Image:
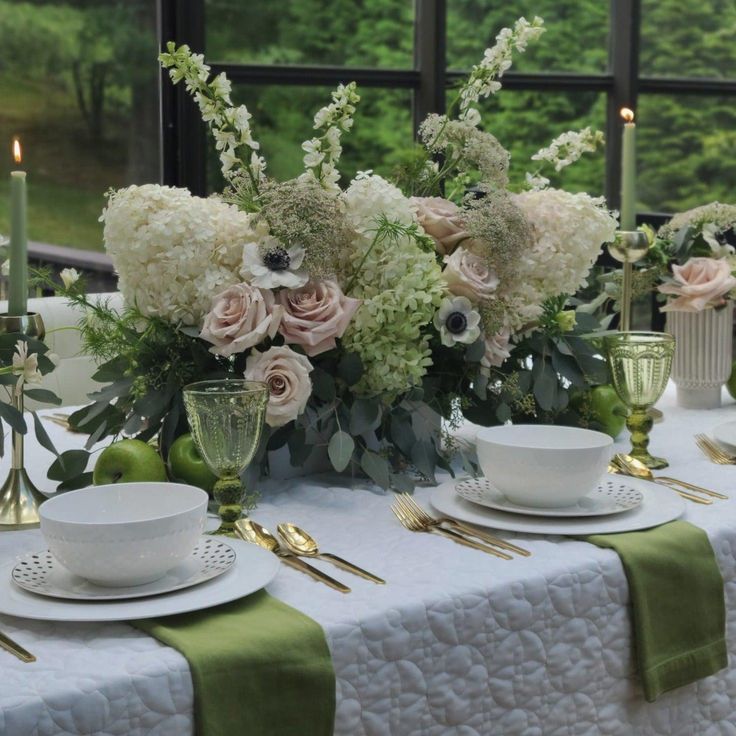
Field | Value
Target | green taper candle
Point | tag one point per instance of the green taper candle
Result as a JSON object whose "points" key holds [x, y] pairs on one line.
{"points": [[18, 280], [628, 171]]}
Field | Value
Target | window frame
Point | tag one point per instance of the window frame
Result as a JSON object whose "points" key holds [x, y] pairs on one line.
{"points": [[183, 153]]}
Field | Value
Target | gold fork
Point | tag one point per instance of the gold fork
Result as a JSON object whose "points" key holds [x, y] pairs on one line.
{"points": [[413, 524], [713, 451], [459, 526]]}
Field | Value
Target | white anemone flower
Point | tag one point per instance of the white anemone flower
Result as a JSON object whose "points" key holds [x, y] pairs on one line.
{"points": [[271, 264], [457, 321]]}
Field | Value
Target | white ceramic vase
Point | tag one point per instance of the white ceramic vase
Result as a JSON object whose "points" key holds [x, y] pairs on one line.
{"points": [[702, 361]]}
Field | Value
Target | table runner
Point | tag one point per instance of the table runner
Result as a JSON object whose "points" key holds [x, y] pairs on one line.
{"points": [[259, 667], [677, 604]]}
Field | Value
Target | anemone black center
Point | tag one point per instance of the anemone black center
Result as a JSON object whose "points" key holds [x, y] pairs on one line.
{"points": [[277, 259], [456, 323]]}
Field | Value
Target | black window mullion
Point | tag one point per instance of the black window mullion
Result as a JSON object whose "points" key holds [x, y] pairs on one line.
{"points": [[624, 65], [182, 130], [430, 36]]}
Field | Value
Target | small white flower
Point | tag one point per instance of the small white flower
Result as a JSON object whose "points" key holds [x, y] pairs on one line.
{"points": [[457, 321], [720, 250], [270, 265], [69, 277], [24, 365]]}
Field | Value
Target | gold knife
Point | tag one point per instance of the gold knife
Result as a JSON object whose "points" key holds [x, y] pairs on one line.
{"points": [[16, 649]]}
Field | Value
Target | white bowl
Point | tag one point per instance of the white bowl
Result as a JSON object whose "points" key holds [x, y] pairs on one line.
{"points": [[543, 465], [124, 533]]}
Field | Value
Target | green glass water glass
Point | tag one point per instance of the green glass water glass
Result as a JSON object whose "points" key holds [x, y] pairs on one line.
{"points": [[226, 419], [640, 364]]}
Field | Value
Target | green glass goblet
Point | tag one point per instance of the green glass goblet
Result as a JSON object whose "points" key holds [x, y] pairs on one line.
{"points": [[640, 364], [226, 418]]}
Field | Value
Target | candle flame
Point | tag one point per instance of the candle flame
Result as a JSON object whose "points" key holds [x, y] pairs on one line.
{"points": [[627, 114], [17, 155]]}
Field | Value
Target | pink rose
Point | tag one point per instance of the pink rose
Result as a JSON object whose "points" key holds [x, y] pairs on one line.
{"points": [[315, 314], [241, 317], [699, 284], [286, 374], [496, 349], [442, 220], [466, 274]]}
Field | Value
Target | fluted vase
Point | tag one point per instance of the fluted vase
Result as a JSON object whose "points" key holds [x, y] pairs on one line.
{"points": [[702, 362]]}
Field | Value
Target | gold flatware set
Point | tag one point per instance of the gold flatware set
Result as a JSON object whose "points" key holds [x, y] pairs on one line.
{"points": [[296, 543], [713, 451], [414, 518], [15, 649]]}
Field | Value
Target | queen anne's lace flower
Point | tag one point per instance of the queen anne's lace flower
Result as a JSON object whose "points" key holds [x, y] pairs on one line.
{"points": [[173, 251], [567, 148]]}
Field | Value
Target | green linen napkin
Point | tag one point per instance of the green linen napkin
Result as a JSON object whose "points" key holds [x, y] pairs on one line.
{"points": [[677, 601], [258, 667]]}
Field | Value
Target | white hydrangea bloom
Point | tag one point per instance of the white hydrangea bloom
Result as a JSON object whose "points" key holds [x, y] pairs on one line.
{"points": [[570, 230], [173, 251], [401, 286]]}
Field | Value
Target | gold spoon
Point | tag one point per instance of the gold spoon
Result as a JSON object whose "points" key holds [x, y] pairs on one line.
{"points": [[303, 544], [631, 466], [253, 532]]}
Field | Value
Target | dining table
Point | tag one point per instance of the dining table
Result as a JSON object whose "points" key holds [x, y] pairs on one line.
{"points": [[456, 643]]}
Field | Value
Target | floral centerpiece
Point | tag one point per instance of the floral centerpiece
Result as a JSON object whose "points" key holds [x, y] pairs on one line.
{"points": [[368, 309]]}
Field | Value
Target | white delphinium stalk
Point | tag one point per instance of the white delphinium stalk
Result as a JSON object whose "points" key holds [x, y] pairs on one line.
{"points": [[230, 125], [323, 152], [483, 79], [567, 148]]}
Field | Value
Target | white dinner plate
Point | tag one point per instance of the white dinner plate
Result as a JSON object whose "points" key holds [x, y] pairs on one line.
{"points": [[658, 506], [254, 568], [41, 573], [726, 434], [612, 495]]}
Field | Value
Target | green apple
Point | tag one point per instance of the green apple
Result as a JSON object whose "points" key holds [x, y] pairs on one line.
{"points": [[187, 466], [129, 461], [731, 383], [607, 409]]}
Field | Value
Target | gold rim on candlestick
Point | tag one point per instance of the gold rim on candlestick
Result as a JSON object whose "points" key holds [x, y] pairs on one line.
{"points": [[628, 247], [19, 497]]}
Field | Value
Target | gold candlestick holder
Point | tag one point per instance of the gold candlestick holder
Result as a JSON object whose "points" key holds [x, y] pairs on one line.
{"points": [[19, 497], [628, 247]]}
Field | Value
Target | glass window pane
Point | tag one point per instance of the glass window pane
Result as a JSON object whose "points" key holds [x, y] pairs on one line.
{"points": [[524, 122], [686, 151], [79, 86], [283, 119], [332, 32], [688, 39], [576, 39]]}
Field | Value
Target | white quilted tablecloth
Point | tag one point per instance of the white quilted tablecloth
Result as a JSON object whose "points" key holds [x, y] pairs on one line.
{"points": [[456, 644]]}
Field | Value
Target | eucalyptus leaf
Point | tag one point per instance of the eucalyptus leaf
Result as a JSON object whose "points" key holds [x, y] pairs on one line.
{"points": [[474, 352], [402, 482], [376, 468], [68, 465], [81, 481], [111, 371], [365, 415], [43, 395], [113, 391], [424, 457], [567, 367], [545, 385], [323, 385], [402, 433], [340, 450], [13, 417], [299, 450], [503, 413], [96, 436], [350, 368], [42, 435]]}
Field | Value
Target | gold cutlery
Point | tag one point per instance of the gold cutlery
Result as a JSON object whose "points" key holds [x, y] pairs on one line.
{"points": [[16, 649], [713, 451], [302, 544], [253, 532], [633, 467], [412, 522], [491, 539]]}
